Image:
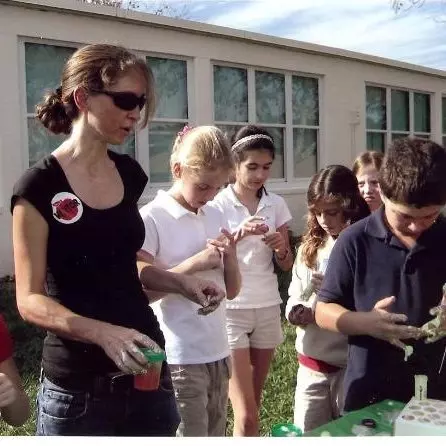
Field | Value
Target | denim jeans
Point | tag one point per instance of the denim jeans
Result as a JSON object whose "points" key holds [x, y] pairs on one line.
{"points": [[63, 411]]}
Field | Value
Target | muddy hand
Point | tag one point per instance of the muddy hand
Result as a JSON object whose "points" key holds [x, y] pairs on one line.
{"points": [[435, 329], [212, 304], [122, 346]]}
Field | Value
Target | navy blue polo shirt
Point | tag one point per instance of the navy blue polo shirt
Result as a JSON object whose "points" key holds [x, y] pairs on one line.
{"points": [[367, 264]]}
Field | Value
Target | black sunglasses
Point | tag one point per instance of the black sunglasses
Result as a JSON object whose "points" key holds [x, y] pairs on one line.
{"points": [[125, 100]]}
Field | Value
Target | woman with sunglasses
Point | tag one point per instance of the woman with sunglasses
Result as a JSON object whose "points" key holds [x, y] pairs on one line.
{"points": [[76, 233]]}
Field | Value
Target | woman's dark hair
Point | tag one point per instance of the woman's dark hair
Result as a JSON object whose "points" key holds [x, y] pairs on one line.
{"points": [[93, 68], [251, 137], [413, 173], [336, 184]]}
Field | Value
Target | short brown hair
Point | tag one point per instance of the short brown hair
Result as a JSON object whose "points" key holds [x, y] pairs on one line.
{"points": [[367, 159], [414, 173], [92, 67]]}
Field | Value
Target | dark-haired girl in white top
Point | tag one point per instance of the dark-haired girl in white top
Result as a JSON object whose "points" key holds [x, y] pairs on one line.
{"points": [[260, 219]]}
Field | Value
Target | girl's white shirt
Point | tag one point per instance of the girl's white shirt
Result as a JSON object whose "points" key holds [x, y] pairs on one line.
{"points": [[174, 234], [259, 282], [312, 340]]}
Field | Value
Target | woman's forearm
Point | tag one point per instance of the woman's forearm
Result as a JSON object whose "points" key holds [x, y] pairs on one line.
{"points": [[46, 313]]}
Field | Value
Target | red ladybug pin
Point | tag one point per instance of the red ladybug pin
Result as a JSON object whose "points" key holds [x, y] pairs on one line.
{"points": [[67, 208]]}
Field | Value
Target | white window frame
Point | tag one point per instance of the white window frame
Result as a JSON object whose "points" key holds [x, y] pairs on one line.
{"points": [[389, 132], [142, 136], [25, 115], [288, 126]]}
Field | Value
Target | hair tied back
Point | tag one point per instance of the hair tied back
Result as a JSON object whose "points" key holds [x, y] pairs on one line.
{"points": [[186, 129]]}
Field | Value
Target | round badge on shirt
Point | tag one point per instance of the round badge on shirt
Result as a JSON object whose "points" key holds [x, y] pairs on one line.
{"points": [[67, 208]]}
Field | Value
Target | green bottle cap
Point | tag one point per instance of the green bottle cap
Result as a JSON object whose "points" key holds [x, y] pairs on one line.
{"points": [[285, 430], [153, 356]]}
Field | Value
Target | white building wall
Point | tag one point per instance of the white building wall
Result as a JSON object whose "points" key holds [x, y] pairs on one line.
{"points": [[342, 87]]}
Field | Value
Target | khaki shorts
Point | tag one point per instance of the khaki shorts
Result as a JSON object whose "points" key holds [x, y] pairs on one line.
{"points": [[201, 391], [318, 398], [254, 327]]}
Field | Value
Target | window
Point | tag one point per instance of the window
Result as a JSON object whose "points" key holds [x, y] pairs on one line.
{"points": [[393, 113], [284, 104], [43, 69], [171, 113]]}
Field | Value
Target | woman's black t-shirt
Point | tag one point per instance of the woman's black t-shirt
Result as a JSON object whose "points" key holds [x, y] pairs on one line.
{"points": [[91, 261]]}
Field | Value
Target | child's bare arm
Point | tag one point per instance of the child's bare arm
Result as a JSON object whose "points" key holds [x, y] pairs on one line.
{"points": [[14, 402]]}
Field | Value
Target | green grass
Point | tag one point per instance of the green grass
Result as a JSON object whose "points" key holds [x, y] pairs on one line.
{"points": [[278, 395]]}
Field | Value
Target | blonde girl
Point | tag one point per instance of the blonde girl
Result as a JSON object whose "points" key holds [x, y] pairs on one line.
{"points": [[260, 221], [366, 168], [184, 234], [333, 203]]}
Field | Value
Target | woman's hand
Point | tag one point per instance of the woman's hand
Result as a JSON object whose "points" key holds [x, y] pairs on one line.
{"points": [[122, 346]]}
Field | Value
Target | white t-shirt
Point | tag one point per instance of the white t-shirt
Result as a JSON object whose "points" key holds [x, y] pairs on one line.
{"points": [[311, 340], [173, 234], [259, 282]]}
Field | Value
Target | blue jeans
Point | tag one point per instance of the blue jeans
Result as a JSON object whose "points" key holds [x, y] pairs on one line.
{"points": [[62, 411]]}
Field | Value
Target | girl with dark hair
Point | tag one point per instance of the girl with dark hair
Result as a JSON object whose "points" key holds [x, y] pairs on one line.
{"points": [[334, 202], [260, 222]]}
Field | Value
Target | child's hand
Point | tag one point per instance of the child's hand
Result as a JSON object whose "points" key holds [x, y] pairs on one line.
{"points": [[8, 392], [301, 315], [225, 244], [435, 329], [316, 281], [213, 302], [276, 242], [253, 225], [382, 324]]}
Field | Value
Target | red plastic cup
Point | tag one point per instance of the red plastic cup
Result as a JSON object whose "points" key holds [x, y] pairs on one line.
{"points": [[151, 379]]}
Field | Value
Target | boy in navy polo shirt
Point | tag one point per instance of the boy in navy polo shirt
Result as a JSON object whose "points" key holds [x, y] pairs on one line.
{"points": [[384, 275]]}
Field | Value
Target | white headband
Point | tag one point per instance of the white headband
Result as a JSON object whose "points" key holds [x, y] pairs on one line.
{"points": [[250, 138]]}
